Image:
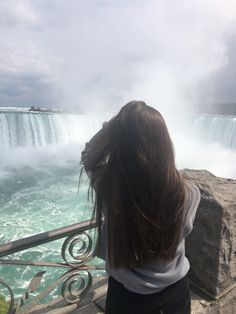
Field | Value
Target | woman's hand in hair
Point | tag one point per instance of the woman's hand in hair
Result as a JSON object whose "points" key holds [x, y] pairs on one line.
{"points": [[95, 144]]}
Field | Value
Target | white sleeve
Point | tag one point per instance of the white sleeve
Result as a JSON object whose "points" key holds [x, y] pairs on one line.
{"points": [[192, 201]]}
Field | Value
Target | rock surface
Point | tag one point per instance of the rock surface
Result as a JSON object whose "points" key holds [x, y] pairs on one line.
{"points": [[211, 247]]}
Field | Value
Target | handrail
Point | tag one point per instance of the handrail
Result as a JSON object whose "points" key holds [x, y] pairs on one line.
{"points": [[45, 237], [76, 252]]}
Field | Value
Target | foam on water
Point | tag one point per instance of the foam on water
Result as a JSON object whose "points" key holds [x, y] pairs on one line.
{"points": [[35, 200]]}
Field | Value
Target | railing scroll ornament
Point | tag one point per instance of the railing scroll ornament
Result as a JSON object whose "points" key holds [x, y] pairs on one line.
{"points": [[76, 252]]}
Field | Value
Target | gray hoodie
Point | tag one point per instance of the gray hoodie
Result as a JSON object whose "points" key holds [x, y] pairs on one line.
{"points": [[158, 274]]}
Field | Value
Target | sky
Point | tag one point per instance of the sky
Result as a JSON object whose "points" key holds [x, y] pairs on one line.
{"points": [[97, 55]]}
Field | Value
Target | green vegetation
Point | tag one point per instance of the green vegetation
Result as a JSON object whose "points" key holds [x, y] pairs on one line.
{"points": [[3, 305]]}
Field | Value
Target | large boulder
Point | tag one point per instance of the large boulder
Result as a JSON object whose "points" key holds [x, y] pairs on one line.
{"points": [[211, 247]]}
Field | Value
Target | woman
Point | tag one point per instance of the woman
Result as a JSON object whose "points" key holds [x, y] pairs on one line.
{"points": [[144, 210]]}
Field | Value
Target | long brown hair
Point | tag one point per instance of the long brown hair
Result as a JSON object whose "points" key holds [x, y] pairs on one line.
{"points": [[138, 188]]}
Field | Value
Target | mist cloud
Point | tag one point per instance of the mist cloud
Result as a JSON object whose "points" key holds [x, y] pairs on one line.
{"points": [[96, 55], [220, 86]]}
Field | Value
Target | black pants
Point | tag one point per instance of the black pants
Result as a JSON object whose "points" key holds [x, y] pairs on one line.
{"points": [[175, 299]]}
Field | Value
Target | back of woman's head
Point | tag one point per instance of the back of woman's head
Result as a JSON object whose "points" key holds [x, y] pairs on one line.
{"points": [[140, 141], [139, 190]]}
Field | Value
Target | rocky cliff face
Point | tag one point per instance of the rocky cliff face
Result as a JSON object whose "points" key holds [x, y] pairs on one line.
{"points": [[211, 247]]}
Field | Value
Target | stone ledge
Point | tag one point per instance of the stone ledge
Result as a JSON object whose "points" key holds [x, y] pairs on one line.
{"points": [[223, 305]]}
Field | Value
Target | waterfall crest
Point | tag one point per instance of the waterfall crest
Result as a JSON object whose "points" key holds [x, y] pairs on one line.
{"points": [[20, 129], [221, 129]]}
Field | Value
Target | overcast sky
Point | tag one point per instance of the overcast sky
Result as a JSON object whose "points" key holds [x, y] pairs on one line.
{"points": [[97, 55]]}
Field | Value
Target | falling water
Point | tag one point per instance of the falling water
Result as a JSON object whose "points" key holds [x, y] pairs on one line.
{"points": [[220, 129], [39, 129]]}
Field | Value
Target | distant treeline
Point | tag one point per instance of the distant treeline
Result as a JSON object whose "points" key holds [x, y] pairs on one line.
{"points": [[218, 108]]}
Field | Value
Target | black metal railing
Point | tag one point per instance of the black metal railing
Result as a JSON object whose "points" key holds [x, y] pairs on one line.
{"points": [[76, 253]]}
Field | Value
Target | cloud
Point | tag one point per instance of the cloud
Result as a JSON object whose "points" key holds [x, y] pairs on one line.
{"points": [[96, 55], [18, 13], [19, 89], [220, 86], [25, 75]]}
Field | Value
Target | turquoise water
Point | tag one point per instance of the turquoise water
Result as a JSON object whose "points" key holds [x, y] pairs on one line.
{"points": [[37, 200], [34, 201]]}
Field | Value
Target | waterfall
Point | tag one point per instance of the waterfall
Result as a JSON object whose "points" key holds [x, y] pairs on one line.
{"points": [[220, 129], [21, 129], [38, 129]]}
